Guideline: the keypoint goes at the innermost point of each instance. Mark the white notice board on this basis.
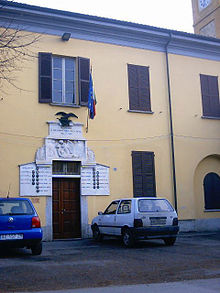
(35, 180)
(95, 180)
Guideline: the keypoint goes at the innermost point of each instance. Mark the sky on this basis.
(171, 14)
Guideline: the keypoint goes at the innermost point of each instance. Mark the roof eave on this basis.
(99, 29)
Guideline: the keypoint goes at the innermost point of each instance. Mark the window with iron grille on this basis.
(66, 168)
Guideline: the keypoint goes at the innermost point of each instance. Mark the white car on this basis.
(137, 218)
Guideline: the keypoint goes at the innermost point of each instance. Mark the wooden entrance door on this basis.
(66, 208)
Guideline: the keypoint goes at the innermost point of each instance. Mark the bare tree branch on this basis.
(16, 46)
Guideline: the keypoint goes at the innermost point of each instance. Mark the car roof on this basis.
(14, 198)
(137, 198)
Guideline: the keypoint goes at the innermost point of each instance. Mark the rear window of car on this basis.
(15, 207)
(154, 205)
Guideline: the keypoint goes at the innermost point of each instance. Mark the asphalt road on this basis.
(84, 264)
(191, 286)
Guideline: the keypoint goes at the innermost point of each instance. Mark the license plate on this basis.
(158, 221)
(11, 236)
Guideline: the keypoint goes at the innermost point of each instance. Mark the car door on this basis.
(108, 218)
(124, 216)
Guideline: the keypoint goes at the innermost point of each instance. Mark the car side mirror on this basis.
(99, 213)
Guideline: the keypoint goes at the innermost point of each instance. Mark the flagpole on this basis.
(87, 125)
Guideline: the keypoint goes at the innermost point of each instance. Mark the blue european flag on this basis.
(91, 99)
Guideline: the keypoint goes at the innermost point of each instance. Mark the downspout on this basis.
(171, 123)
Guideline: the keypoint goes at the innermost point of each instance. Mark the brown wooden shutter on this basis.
(84, 70)
(45, 77)
(139, 88)
(210, 95)
(143, 174)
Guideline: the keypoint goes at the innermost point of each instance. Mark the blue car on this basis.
(20, 225)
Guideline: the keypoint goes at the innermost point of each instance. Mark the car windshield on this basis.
(15, 207)
(154, 205)
(111, 209)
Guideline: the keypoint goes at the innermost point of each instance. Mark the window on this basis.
(66, 168)
(210, 96)
(139, 88)
(111, 209)
(212, 191)
(158, 205)
(63, 80)
(125, 207)
(13, 207)
(60, 77)
(143, 174)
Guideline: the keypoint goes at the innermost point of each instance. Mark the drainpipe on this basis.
(171, 123)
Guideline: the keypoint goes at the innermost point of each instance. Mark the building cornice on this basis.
(104, 30)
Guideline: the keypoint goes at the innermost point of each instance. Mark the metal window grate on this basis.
(66, 168)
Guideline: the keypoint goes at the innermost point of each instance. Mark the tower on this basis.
(206, 17)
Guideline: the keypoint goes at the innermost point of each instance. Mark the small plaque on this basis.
(74, 131)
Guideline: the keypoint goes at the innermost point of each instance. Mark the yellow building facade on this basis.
(156, 131)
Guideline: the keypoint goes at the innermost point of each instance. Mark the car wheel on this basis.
(169, 241)
(97, 236)
(37, 248)
(127, 238)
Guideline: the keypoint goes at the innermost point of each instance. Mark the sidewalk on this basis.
(192, 286)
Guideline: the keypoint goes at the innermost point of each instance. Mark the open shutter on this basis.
(210, 95)
(139, 88)
(143, 174)
(84, 70)
(45, 77)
